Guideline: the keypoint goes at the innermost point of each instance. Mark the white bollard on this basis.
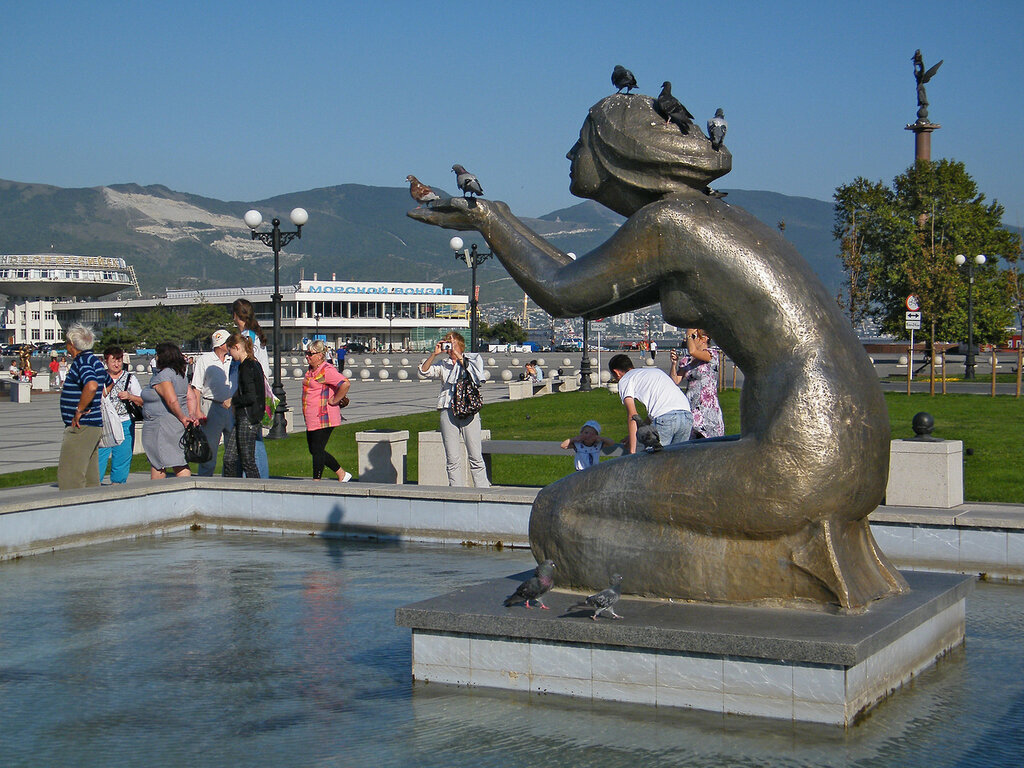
(383, 374)
(403, 375)
(386, 361)
(368, 361)
(506, 375)
(405, 362)
(605, 377)
(491, 362)
(541, 362)
(566, 362)
(347, 373)
(297, 373)
(515, 362)
(364, 374)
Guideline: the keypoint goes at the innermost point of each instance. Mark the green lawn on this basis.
(990, 427)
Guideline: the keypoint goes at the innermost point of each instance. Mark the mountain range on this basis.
(355, 232)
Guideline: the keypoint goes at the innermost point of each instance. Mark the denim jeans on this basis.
(674, 427)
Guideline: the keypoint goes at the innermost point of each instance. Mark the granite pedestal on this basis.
(925, 474)
(793, 664)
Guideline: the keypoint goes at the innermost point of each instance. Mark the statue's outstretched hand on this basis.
(454, 213)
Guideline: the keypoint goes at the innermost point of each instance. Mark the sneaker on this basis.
(347, 477)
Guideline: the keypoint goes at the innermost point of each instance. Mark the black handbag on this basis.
(195, 445)
(134, 411)
(466, 399)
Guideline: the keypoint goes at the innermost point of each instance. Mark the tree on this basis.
(508, 331)
(158, 325)
(203, 319)
(114, 336)
(902, 239)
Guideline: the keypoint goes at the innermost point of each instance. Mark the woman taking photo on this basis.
(248, 402)
(323, 389)
(699, 367)
(164, 408)
(454, 430)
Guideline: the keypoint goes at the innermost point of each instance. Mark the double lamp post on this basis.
(277, 240)
(473, 259)
(960, 260)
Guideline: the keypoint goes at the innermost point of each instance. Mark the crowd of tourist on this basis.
(226, 392)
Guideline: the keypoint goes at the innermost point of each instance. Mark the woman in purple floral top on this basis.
(699, 366)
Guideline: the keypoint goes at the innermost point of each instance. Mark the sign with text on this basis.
(913, 321)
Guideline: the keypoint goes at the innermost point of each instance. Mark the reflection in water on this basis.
(213, 650)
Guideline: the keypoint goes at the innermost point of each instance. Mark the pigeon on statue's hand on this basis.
(623, 78)
(670, 108)
(468, 183)
(646, 434)
(604, 600)
(420, 192)
(535, 587)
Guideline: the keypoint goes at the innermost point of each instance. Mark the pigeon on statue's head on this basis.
(717, 128)
(420, 192)
(670, 108)
(604, 600)
(535, 587)
(468, 183)
(623, 78)
(646, 434)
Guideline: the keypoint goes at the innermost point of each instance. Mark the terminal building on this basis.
(35, 283)
(382, 316)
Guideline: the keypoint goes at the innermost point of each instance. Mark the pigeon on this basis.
(646, 434)
(604, 600)
(623, 78)
(668, 106)
(717, 128)
(468, 183)
(534, 587)
(714, 192)
(420, 192)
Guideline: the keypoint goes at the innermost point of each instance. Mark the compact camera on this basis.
(445, 346)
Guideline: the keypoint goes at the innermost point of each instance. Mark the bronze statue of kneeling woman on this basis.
(777, 513)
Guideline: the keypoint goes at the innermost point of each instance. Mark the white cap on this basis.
(220, 337)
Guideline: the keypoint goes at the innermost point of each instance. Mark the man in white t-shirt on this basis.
(215, 381)
(667, 406)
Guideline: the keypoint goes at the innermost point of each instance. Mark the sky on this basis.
(247, 100)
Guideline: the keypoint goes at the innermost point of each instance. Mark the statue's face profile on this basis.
(584, 177)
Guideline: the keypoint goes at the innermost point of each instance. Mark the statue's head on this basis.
(625, 147)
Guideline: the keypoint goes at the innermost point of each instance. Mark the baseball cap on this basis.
(594, 426)
(220, 337)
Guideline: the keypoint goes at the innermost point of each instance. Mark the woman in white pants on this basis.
(453, 361)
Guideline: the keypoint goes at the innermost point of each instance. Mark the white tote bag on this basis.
(113, 431)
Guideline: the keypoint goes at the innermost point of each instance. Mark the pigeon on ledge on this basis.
(468, 183)
(604, 600)
(669, 107)
(717, 128)
(535, 587)
(420, 192)
(646, 434)
(623, 78)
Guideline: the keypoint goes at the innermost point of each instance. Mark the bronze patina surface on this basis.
(776, 513)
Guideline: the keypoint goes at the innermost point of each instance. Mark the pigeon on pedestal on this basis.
(605, 599)
(717, 128)
(535, 587)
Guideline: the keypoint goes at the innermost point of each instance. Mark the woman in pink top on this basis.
(323, 388)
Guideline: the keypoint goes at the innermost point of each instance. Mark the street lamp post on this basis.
(390, 316)
(960, 260)
(117, 319)
(585, 383)
(277, 240)
(317, 316)
(473, 259)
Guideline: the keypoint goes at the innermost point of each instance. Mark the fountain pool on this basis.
(212, 649)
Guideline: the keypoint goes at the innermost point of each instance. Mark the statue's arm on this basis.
(627, 264)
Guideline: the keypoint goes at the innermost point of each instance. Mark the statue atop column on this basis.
(922, 77)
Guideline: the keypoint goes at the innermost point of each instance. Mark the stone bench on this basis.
(536, 448)
(520, 390)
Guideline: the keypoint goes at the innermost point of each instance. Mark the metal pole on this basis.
(1020, 359)
(969, 362)
(994, 365)
(279, 429)
(585, 385)
(910, 361)
(472, 301)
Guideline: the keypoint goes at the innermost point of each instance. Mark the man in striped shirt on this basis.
(78, 466)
